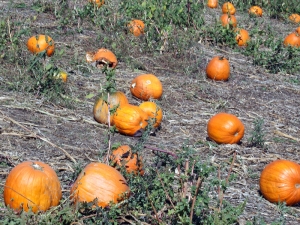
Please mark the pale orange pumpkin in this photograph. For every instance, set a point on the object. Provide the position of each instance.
(212, 3)
(102, 57)
(242, 37)
(32, 185)
(218, 68)
(100, 109)
(146, 86)
(256, 10)
(39, 43)
(130, 120)
(123, 156)
(228, 8)
(293, 39)
(280, 182)
(136, 27)
(228, 20)
(98, 3)
(153, 111)
(102, 182)
(225, 128)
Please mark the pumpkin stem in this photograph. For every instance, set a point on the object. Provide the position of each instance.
(297, 186)
(37, 167)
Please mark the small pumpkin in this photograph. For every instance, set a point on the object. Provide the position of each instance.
(218, 68)
(295, 18)
(297, 30)
(242, 37)
(130, 120)
(123, 156)
(32, 185)
(228, 8)
(102, 57)
(280, 182)
(146, 86)
(61, 75)
(212, 3)
(102, 182)
(100, 109)
(39, 43)
(136, 27)
(153, 111)
(98, 3)
(225, 128)
(293, 39)
(228, 20)
(256, 11)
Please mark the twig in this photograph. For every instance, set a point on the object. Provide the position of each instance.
(39, 137)
(163, 186)
(161, 150)
(109, 133)
(198, 185)
(156, 216)
(286, 135)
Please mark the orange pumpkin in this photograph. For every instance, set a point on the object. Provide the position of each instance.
(100, 109)
(98, 3)
(218, 68)
(146, 86)
(102, 182)
(136, 27)
(122, 156)
(39, 43)
(280, 182)
(256, 10)
(295, 18)
(212, 3)
(228, 20)
(293, 39)
(242, 37)
(228, 8)
(153, 111)
(297, 30)
(130, 120)
(225, 128)
(32, 185)
(102, 57)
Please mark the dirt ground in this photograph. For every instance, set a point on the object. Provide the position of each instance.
(33, 129)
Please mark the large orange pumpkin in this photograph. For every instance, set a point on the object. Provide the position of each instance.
(293, 39)
(32, 185)
(225, 128)
(101, 110)
(242, 37)
(228, 8)
(218, 68)
(130, 120)
(102, 182)
(136, 27)
(153, 111)
(102, 57)
(39, 43)
(255, 10)
(280, 182)
(212, 3)
(228, 20)
(146, 86)
(123, 156)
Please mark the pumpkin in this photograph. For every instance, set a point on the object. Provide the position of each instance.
(100, 109)
(123, 156)
(280, 182)
(101, 182)
(153, 111)
(130, 120)
(225, 128)
(102, 57)
(295, 18)
(98, 3)
(146, 86)
(218, 68)
(242, 37)
(256, 11)
(228, 20)
(212, 3)
(136, 27)
(228, 8)
(61, 75)
(32, 185)
(293, 39)
(39, 43)
(297, 30)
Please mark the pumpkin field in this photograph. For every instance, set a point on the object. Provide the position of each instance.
(150, 112)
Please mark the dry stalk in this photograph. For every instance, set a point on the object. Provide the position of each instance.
(156, 216)
(161, 150)
(198, 186)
